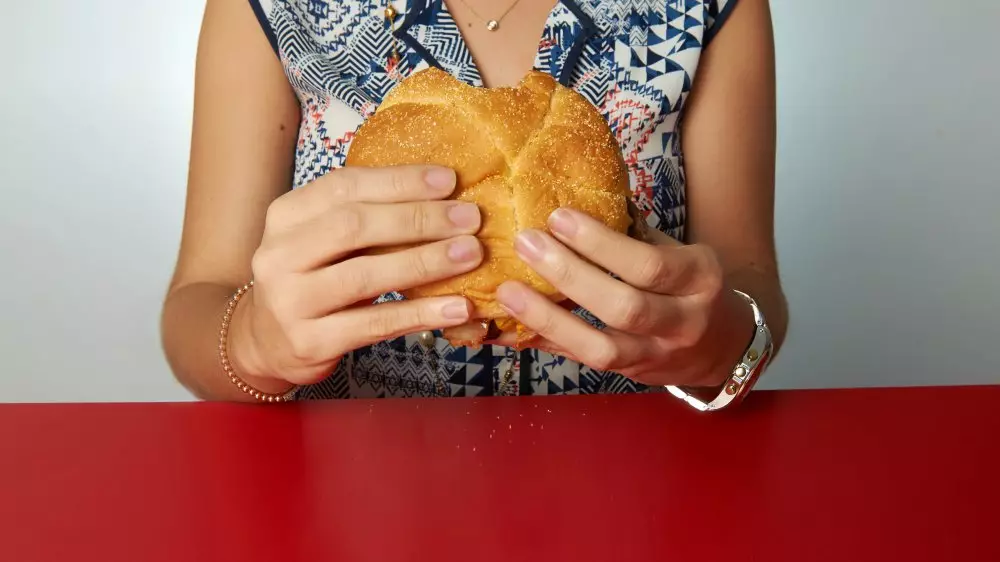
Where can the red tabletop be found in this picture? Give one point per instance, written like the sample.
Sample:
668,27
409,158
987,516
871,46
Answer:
893,474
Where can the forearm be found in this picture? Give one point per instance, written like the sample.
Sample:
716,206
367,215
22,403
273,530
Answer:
192,318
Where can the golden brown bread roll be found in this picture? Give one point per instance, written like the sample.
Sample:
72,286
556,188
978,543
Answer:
519,153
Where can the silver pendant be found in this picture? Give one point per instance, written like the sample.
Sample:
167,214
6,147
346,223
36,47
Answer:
492,25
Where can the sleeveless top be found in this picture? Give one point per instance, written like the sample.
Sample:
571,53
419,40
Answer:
635,60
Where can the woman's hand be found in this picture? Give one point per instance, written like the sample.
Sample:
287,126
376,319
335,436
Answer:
670,318
311,301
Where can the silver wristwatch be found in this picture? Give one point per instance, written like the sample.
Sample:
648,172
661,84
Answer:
745,373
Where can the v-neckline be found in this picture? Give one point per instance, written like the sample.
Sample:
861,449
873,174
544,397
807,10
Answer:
464,44
435,14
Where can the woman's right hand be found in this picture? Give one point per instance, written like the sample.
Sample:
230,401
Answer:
311,301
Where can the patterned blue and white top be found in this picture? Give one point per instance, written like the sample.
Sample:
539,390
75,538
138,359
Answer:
635,60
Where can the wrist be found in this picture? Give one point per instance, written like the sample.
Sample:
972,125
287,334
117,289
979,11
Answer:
244,354
731,330
744,372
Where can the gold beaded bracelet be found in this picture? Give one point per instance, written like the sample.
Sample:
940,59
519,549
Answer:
224,354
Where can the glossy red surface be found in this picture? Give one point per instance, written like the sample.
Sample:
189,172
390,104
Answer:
901,474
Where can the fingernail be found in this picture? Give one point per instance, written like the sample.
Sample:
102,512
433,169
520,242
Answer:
512,298
464,215
530,245
562,222
440,179
464,250
456,310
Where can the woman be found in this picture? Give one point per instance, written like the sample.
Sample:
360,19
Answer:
281,86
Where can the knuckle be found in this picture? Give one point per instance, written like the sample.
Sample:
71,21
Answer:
349,223
548,324
343,186
353,278
301,345
632,309
276,215
562,273
419,264
653,270
713,272
263,264
419,219
383,323
399,183
603,356
422,317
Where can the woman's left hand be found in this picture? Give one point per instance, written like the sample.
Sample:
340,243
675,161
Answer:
670,317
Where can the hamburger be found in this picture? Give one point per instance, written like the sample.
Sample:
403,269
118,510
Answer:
519,153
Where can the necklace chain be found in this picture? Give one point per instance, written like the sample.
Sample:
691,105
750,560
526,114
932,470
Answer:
491,24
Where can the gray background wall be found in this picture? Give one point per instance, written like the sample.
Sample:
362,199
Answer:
888,192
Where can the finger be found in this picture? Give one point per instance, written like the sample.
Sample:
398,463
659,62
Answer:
396,184
616,303
547,346
355,226
673,269
366,277
358,327
507,339
510,339
596,349
369,225
660,238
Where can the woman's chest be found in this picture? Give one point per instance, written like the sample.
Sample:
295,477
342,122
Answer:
634,60
502,37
